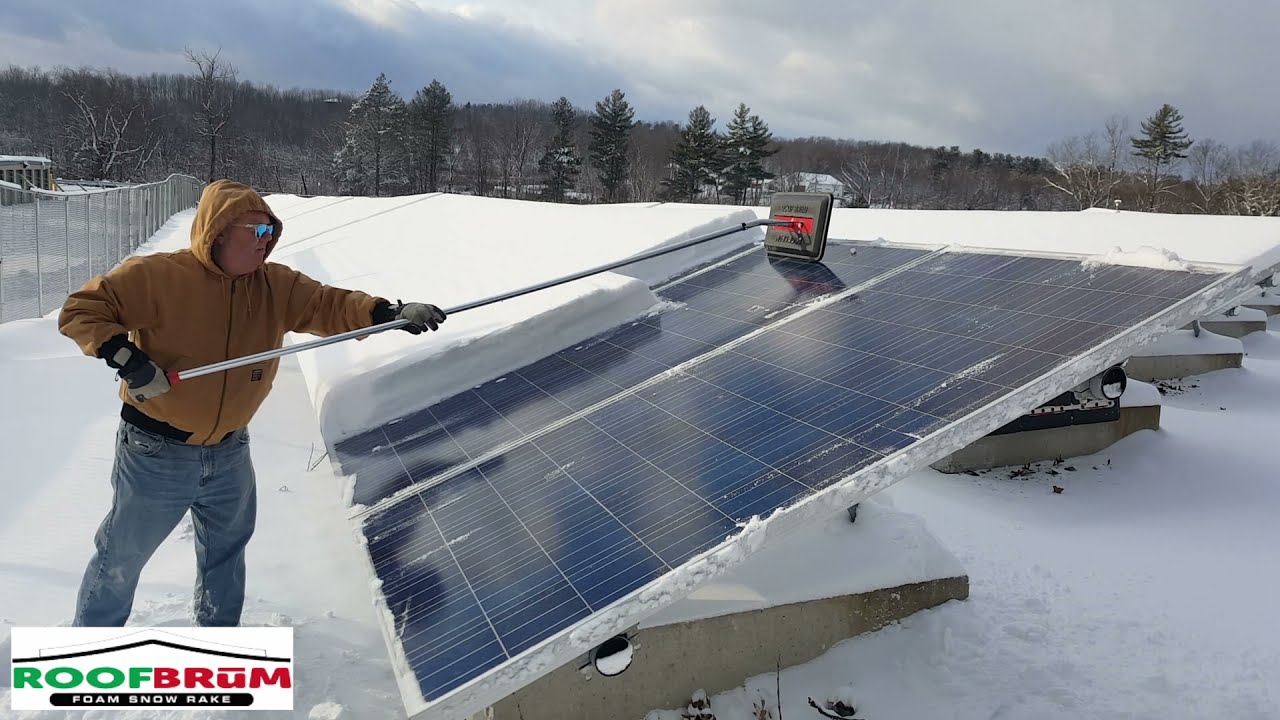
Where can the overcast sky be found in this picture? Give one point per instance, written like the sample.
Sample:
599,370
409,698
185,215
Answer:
1003,75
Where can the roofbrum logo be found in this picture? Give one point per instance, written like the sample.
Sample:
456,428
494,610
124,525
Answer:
246,668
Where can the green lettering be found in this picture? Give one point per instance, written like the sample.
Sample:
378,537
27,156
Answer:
139,675
26,677
76,676
116,677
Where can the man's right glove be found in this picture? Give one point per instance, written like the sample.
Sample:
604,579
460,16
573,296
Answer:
144,378
421,316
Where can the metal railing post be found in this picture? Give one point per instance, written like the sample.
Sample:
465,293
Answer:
39,273
88,232
66,233
2,235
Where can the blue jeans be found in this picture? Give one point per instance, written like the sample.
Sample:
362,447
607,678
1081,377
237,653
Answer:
156,481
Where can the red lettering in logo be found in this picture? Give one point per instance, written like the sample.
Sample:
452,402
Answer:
261,676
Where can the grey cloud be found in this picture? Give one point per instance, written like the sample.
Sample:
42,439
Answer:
1003,75
29,18
309,43
1006,76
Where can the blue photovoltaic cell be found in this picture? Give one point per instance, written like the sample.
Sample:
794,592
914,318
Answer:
515,549
719,304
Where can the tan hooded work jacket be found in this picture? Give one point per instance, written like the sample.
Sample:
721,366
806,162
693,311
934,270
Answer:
184,312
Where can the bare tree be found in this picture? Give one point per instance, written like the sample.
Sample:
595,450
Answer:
215,99
108,137
874,175
476,148
1117,129
1082,170
1211,164
1256,188
518,133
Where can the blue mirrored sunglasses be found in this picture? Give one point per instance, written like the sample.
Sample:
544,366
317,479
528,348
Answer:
261,229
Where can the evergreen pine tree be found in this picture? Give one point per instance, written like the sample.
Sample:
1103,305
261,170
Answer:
695,159
560,163
349,169
432,113
745,147
610,132
374,141
1164,143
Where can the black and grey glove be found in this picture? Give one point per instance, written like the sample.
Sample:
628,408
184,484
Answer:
421,316
144,378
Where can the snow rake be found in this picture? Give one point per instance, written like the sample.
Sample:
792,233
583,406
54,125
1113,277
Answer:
796,228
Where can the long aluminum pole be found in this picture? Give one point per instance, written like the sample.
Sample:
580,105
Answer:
175,377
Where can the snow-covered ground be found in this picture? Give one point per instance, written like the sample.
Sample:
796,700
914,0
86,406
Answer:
1141,590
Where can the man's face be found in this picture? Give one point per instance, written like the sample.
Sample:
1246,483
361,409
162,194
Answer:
239,251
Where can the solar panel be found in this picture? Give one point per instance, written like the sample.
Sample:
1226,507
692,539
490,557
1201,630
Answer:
510,542
717,304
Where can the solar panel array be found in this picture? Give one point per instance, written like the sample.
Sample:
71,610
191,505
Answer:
537,500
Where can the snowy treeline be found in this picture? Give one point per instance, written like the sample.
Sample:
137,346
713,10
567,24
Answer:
101,125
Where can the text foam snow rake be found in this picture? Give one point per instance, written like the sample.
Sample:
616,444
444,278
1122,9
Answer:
797,228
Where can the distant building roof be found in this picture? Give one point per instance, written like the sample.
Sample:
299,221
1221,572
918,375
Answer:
823,178
14,159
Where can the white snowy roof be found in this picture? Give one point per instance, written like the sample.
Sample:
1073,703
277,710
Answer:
1150,239
7,159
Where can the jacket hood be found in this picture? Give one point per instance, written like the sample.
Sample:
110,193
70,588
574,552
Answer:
220,203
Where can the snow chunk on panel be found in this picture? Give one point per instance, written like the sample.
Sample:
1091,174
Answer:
326,711
358,385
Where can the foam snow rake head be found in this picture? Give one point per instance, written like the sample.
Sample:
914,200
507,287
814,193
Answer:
807,218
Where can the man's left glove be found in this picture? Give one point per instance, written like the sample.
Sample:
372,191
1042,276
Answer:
144,378
147,382
421,316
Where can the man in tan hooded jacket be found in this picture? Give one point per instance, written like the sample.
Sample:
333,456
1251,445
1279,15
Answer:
184,447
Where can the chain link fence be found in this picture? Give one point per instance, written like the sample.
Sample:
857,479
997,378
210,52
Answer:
52,243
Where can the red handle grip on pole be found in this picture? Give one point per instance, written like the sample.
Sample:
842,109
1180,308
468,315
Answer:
795,224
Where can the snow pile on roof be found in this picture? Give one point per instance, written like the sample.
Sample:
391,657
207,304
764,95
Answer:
1238,313
1140,394
884,548
1145,256
1264,297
